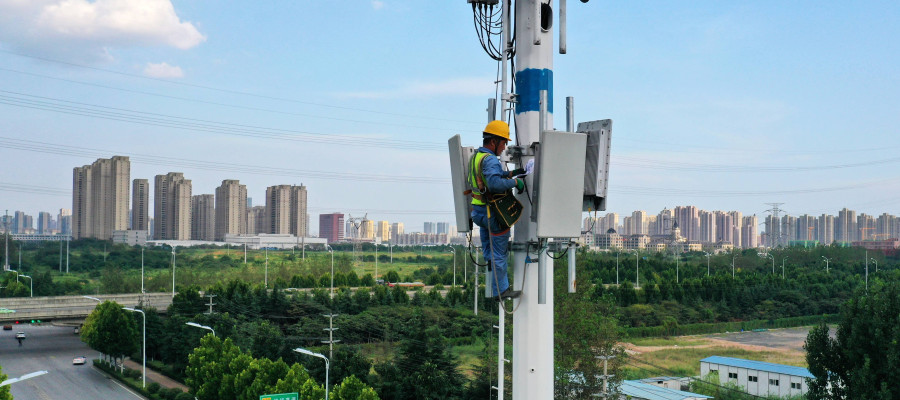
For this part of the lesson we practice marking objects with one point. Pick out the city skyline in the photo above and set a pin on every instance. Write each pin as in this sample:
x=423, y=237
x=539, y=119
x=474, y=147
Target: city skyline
x=728, y=106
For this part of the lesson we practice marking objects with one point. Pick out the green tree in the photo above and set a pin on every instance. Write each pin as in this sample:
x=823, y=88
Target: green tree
x=4, y=390
x=351, y=388
x=298, y=380
x=213, y=367
x=111, y=330
x=860, y=362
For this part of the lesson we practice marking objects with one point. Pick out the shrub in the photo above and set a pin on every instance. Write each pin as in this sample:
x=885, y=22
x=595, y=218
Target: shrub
x=184, y=396
x=153, y=388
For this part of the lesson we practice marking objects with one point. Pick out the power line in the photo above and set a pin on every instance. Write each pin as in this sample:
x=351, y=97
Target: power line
x=698, y=167
x=162, y=120
x=225, y=104
x=230, y=91
x=75, y=151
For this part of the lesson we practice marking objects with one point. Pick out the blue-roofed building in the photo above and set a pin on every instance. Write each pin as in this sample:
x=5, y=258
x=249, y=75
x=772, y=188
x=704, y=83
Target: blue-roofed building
x=642, y=391
x=757, y=377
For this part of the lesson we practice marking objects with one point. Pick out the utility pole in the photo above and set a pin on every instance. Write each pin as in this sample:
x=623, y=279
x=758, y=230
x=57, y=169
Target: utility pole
x=211, y=304
x=605, y=375
x=6, y=234
x=331, y=341
x=532, y=371
x=67, y=253
x=826, y=263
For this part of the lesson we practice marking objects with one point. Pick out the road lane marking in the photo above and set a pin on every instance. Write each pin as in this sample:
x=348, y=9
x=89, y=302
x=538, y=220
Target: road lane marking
x=116, y=381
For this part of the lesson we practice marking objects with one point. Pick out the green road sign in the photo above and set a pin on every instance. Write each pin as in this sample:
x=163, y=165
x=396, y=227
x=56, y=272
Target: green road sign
x=282, y=396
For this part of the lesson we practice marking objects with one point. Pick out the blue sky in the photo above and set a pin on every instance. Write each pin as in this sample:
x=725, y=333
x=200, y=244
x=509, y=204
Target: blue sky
x=723, y=105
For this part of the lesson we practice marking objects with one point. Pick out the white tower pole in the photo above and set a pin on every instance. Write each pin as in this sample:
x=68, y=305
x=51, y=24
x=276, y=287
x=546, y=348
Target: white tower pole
x=532, y=367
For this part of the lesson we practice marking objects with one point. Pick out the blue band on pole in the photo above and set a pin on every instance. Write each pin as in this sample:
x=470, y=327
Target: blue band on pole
x=529, y=84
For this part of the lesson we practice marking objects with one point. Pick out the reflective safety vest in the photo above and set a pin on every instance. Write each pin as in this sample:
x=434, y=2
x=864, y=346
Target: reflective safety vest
x=476, y=179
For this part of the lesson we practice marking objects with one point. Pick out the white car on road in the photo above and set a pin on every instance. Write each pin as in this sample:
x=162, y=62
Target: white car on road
x=79, y=360
x=20, y=335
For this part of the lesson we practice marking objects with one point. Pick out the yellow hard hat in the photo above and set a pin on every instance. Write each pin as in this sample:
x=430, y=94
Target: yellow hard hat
x=497, y=128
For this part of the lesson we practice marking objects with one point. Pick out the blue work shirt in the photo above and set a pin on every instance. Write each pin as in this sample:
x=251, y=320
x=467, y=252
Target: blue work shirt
x=495, y=178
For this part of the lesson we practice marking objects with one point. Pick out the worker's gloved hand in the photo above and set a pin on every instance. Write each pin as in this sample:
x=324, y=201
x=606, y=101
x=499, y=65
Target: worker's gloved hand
x=520, y=185
x=517, y=172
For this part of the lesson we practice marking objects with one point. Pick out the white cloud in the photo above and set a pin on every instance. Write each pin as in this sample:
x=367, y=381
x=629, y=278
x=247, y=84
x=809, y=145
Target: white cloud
x=453, y=87
x=163, y=70
x=377, y=4
x=93, y=27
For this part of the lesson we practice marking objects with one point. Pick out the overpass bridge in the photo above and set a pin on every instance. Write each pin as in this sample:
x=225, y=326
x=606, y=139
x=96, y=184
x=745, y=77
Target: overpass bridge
x=73, y=308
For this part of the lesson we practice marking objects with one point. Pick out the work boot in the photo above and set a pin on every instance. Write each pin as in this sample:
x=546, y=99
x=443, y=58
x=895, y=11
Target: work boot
x=509, y=293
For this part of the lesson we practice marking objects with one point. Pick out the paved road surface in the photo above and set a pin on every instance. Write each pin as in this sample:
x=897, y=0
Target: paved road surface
x=52, y=349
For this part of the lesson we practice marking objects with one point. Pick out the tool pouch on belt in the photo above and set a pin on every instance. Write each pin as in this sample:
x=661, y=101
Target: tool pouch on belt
x=506, y=208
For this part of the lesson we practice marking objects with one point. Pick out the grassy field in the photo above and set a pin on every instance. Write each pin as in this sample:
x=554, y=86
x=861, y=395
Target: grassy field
x=198, y=267
x=681, y=356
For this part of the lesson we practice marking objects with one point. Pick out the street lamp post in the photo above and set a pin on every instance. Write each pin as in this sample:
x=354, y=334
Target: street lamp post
x=454, y=266
x=30, y=282
x=707, y=263
x=376, y=260
x=637, y=269
x=773, y=262
x=876, y=265
x=196, y=325
x=266, y=278
x=331, y=250
x=144, y=351
x=173, y=271
x=617, y=268
x=327, y=366
x=142, y=270
x=826, y=263
x=391, y=248
x=782, y=267
x=732, y=265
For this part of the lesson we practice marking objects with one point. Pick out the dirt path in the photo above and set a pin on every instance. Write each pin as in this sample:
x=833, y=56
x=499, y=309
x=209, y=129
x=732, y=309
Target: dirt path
x=788, y=341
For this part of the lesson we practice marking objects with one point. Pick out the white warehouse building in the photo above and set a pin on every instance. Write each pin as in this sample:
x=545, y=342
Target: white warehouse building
x=757, y=377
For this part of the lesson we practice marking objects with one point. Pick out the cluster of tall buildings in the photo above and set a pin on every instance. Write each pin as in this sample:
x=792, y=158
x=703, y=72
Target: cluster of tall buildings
x=19, y=223
x=728, y=229
x=100, y=206
x=691, y=224
x=335, y=228
x=845, y=227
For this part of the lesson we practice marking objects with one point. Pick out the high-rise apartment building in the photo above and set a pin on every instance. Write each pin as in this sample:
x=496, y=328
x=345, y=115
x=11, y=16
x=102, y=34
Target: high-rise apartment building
x=100, y=195
x=749, y=232
x=203, y=217
x=806, y=227
x=396, y=230
x=640, y=223
x=231, y=209
x=172, y=207
x=707, y=227
x=331, y=227
x=65, y=221
x=664, y=221
x=737, y=219
x=383, y=231
x=429, y=228
x=724, y=228
x=140, y=205
x=443, y=228
x=845, y=226
x=825, y=229
x=44, y=222
x=367, y=229
x=607, y=222
x=256, y=220
x=688, y=218
x=883, y=225
x=286, y=210
x=866, y=225
x=789, y=230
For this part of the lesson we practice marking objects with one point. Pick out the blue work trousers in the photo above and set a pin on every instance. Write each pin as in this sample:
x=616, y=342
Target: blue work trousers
x=495, y=244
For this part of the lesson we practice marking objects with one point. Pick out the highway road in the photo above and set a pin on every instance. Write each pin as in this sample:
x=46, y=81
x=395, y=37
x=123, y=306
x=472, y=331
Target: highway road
x=52, y=349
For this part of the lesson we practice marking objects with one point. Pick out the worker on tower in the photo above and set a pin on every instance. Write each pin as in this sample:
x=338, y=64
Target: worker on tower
x=493, y=206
